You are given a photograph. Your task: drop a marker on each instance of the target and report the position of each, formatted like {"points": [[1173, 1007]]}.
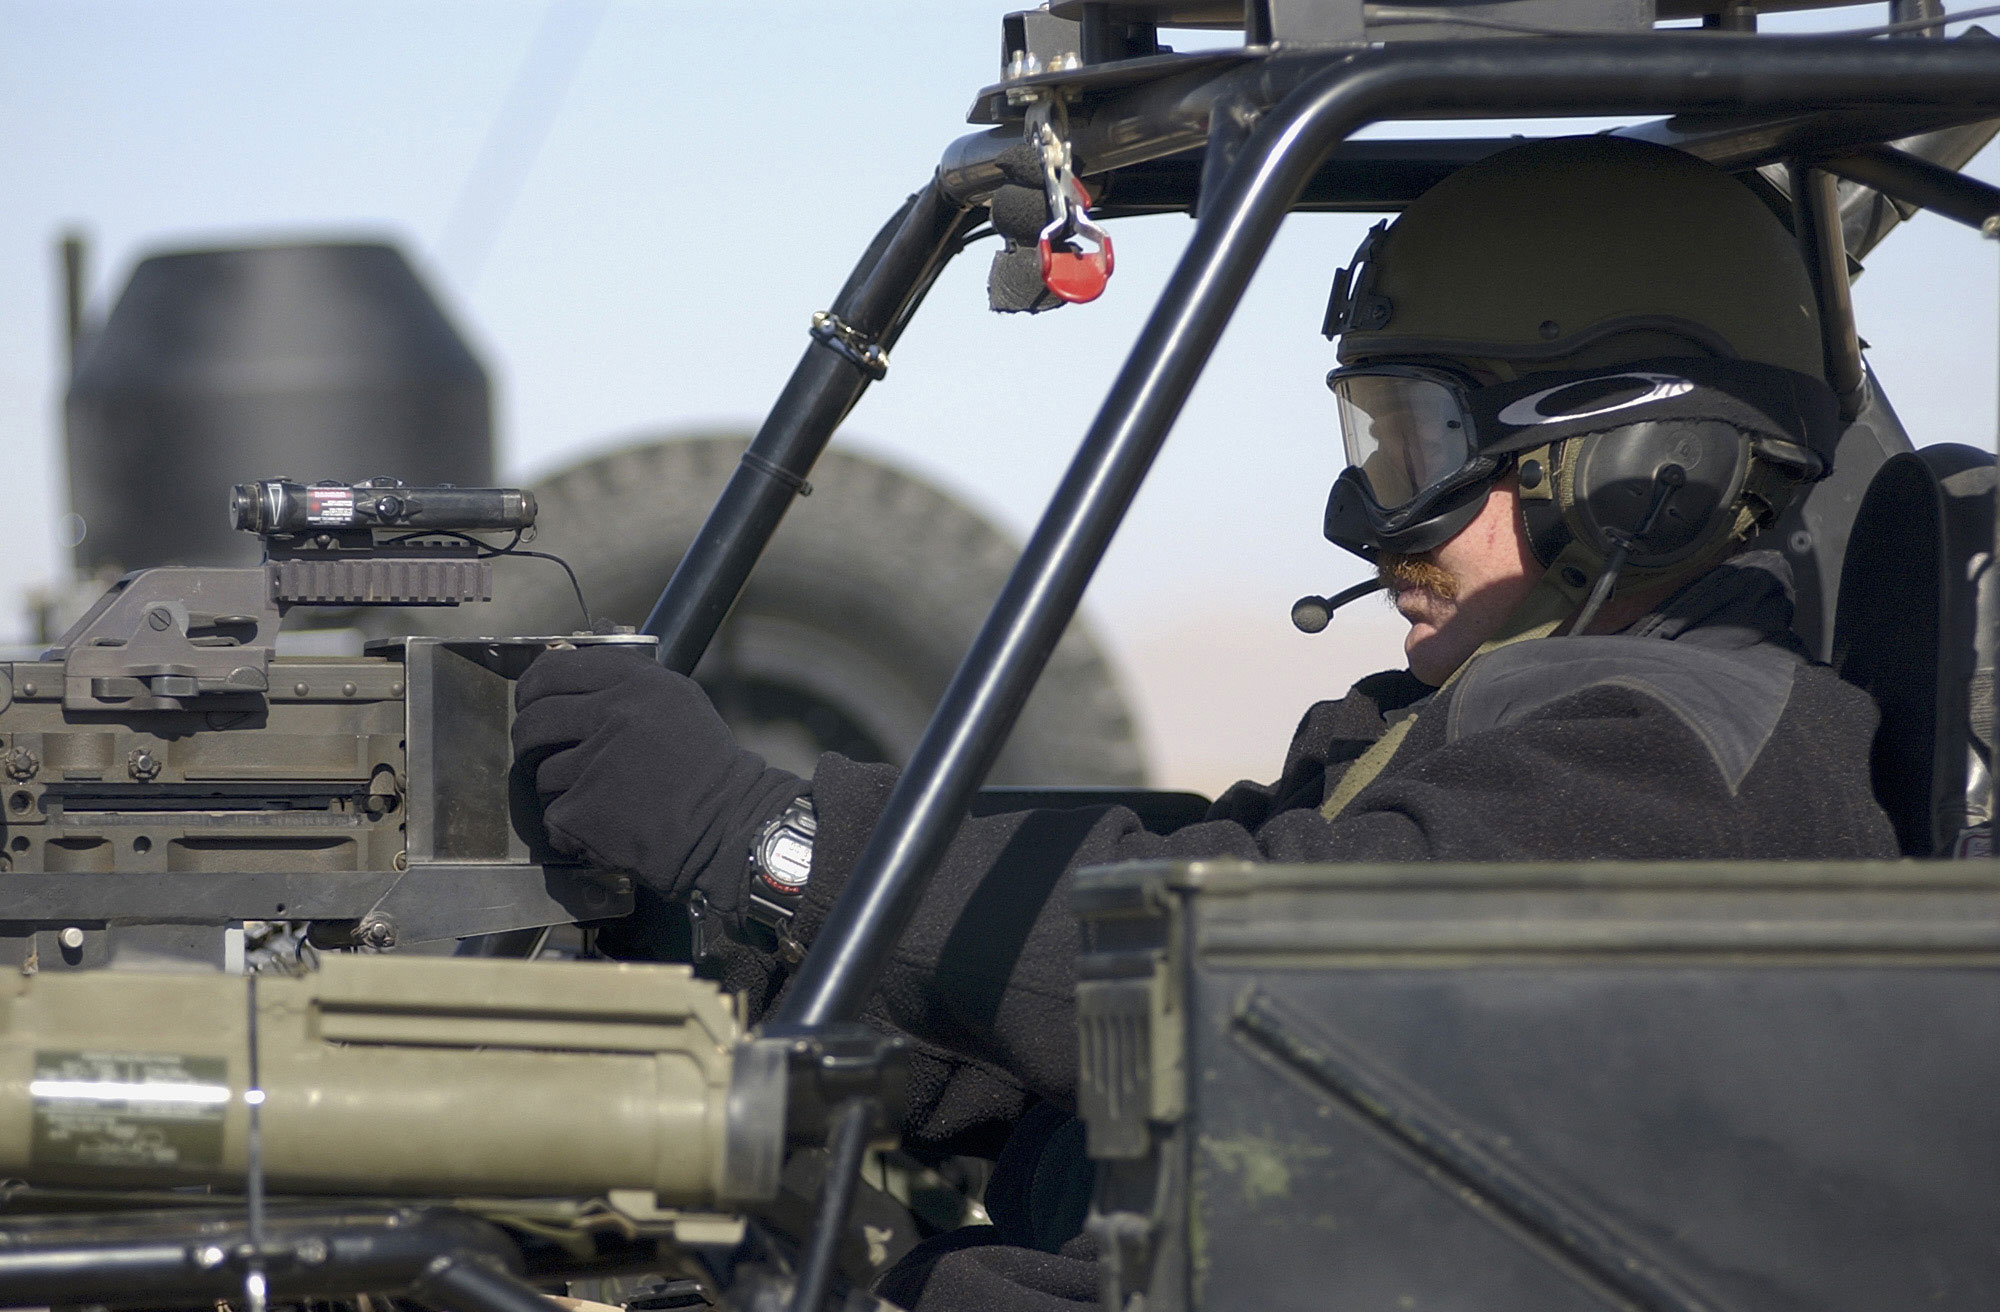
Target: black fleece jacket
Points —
{"points": [[1701, 732]]}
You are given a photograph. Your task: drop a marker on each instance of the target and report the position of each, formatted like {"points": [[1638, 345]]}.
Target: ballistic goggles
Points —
{"points": [[1425, 443]]}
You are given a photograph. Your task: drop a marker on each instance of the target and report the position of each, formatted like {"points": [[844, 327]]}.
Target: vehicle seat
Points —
{"points": [[1914, 629]]}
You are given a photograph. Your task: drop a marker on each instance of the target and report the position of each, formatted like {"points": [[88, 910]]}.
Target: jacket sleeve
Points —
{"points": [[983, 981]]}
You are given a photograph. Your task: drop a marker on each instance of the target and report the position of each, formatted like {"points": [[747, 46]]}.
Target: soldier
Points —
{"points": [[1575, 377]]}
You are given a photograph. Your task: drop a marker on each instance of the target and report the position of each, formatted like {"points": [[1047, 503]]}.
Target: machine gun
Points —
{"points": [[168, 764]]}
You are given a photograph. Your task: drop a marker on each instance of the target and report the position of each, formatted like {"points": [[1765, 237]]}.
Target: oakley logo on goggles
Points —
{"points": [[1593, 397]]}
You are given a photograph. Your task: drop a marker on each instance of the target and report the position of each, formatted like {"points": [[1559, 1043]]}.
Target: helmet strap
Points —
{"points": [[1542, 519]]}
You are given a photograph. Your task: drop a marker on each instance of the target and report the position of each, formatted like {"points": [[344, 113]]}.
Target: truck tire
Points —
{"points": [[848, 632]]}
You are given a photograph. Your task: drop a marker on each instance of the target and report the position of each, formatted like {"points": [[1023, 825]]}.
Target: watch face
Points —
{"points": [[784, 859], [784, 852]]}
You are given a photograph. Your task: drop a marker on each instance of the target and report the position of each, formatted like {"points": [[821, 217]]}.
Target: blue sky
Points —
{"points": [[678, 187]]}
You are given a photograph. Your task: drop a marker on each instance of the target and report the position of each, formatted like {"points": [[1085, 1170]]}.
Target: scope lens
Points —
{"points": [[243, 506]]}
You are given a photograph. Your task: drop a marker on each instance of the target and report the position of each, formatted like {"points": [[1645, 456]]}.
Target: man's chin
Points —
{"points": [[1430, 649], [1420, 652]]}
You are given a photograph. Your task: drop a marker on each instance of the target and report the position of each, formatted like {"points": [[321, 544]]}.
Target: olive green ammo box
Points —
{"points": [[1663, 1087]]}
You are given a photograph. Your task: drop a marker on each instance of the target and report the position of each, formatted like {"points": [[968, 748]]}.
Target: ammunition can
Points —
{"points": [[1679, 1085]]}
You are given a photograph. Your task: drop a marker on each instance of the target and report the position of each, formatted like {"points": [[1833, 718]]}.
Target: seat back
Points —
{"points": [[1812, 533], [1910, 629]]}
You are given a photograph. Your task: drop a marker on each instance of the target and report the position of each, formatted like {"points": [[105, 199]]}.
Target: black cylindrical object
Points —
{"points": [[1919, 181], [188, 1256], [219, 367], [881, 294], [278, 507]]}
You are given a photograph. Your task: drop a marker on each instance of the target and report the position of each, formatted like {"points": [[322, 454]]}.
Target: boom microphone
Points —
{"points": [[1311, 614]]}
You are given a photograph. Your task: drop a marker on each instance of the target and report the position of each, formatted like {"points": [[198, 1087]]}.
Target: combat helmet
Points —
{"points": [[1628, 327]]}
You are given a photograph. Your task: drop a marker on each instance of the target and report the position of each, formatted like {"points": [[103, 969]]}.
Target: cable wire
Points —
{"points": [[575, 587]]}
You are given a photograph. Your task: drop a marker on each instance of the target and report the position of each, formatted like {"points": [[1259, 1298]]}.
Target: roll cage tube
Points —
{"points": [[1142, 132], [1643, 74], [850, 350]]}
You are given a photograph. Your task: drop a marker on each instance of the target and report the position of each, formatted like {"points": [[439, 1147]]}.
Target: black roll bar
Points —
{"points": [[849, 350], [184, 1256], [1917, 181], [1816, 221], [1645, 74]]}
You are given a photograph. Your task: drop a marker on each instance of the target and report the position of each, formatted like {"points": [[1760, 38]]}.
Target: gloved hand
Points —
{"points": [[638, 772]]}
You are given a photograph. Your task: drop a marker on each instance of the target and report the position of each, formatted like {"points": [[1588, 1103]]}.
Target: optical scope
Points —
{"points": [[281, 508]]}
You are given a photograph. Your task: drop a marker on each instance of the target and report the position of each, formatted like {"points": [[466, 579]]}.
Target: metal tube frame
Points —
{"points": [[1816, 220], [1648, 74], [1916, 181], [1150, 123], [847, 1143], [199, 1255], [456, 1282], [867, 317]]}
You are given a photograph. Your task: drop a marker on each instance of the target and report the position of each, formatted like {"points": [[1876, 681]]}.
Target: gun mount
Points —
{"points": [[166, 763]]}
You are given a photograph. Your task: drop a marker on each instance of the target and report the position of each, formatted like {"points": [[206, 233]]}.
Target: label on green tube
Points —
{"points": [[144, 1110]]}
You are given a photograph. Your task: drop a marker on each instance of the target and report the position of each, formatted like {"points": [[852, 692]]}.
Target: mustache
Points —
{"points": [[1407, 573]]}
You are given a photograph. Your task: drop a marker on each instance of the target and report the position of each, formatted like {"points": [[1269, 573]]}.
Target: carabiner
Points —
{"points": [[1072, 275]]}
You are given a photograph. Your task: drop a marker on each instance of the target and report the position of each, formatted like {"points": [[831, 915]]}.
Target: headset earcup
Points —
{"points": [[1608, 482]]}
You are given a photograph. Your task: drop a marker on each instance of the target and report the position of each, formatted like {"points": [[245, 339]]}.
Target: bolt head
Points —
{"points": [[378, 932], [71, 937], [143, 765], [22, 764]]}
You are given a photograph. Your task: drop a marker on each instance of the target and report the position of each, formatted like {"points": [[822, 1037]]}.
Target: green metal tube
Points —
{"points": [[382, 1075]]}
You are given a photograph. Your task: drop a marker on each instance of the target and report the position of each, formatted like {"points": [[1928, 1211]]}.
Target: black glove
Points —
{"points": [[637, 772]]}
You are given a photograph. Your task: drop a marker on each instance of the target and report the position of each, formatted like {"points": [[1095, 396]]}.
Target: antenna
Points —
{"points": [[1991, 229], [255, 1287]]}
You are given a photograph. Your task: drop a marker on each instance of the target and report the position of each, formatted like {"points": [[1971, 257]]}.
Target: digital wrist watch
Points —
{"points": [[781, 854]]}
